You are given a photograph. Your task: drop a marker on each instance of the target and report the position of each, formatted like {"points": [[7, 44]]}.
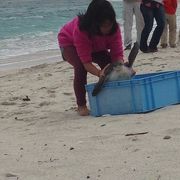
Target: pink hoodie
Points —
{"points": [[70, 35]]}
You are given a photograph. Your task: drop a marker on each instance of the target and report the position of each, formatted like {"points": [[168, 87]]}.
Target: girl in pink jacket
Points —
{"points": [[92, 37]]}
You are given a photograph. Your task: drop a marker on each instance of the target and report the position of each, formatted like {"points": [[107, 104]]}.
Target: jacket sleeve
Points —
{"points": [[83, 45]]}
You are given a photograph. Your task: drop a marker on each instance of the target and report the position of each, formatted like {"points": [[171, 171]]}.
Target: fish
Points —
{"points": [[117, 71]]}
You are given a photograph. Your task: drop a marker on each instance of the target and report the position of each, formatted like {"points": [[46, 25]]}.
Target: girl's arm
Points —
{"points": [[92, 69]]}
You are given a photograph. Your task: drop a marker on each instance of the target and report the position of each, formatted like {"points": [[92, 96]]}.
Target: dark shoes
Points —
{"points": [[153, 50], [164, 46], [149, 50], [145, 50], [128, 47], [173, 46]]}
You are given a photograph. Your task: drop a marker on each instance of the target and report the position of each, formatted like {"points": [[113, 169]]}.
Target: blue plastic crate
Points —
{"points": [[143, 93]]}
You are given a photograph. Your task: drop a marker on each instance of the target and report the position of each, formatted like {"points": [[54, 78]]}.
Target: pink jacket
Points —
{"points": [[70, 35]]}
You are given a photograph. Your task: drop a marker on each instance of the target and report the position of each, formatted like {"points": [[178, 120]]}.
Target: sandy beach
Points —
{"points": [[43, 138]]}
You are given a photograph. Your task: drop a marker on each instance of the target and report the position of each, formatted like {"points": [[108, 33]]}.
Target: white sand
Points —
{"points": [[45, 139]]}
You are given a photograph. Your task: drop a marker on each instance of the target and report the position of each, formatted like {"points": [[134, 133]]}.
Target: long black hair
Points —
{"points": [[98, 12]]}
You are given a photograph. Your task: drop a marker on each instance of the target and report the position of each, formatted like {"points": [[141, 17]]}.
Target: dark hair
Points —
{"points": [[97, 13]]}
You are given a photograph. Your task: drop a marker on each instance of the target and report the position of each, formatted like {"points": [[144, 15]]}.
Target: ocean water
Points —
{"points": [[29, 26]]}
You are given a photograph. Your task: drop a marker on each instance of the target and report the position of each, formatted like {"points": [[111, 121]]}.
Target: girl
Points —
{"points": [[92, 37]]}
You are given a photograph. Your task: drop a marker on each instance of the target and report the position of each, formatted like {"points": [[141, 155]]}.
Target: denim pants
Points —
{"points": [[155, 11]]}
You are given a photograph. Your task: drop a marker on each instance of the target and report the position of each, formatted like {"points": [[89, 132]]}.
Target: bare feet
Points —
{"points": [[83, 110]]}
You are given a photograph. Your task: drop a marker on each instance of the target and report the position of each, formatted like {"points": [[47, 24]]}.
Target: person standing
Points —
{"points": [[130, 8], [170, 7], [152, 9]]}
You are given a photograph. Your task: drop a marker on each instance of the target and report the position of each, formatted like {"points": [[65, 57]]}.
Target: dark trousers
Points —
{"points": [[80, 74], [156, 11]]}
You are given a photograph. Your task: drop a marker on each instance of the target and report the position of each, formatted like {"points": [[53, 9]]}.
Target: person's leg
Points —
{"points": [[139, 20], [159, 15], [80, 78], [128, 22], [165, 34], [172, 30], [147, 13]]}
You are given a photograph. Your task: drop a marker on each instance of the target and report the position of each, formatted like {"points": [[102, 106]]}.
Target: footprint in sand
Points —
{"points": [[162, 64], [71, 109], [60, 67], [42, 88], [14, 98], [39, 78], [41, 66], [11, 176], [154, 58], [8, 103], [159, 70], [146, 63], [49, 91], [47, 74], [52, 95], [44, 103], [67, 69], [67, 94], [71, 78]]}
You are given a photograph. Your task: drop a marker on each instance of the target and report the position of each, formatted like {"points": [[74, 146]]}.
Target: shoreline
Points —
{"points": [[29, 60], [54, 56]]}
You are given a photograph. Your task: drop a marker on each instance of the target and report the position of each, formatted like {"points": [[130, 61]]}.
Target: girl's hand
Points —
{"points": [[133, 72], [101, 72]]}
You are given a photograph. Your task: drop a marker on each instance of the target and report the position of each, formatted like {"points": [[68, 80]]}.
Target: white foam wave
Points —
{"points": [[27, 44], [22, 17], [8, 18], [32, 17]]}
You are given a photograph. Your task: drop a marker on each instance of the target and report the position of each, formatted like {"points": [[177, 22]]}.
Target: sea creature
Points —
{"points": [[117, 71]]}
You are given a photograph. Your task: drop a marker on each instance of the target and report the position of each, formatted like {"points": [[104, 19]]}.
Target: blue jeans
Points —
{"points": [[155, 11]]}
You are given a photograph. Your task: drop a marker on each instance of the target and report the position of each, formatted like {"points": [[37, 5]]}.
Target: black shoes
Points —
{"points": [[164, 46], [173, 45], [145, 50], [153, 50], [149, 50]]}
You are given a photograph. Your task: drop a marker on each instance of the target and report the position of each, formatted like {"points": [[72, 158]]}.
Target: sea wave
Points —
{"points": [[22, 17], [33, 17], [27, 44]]}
